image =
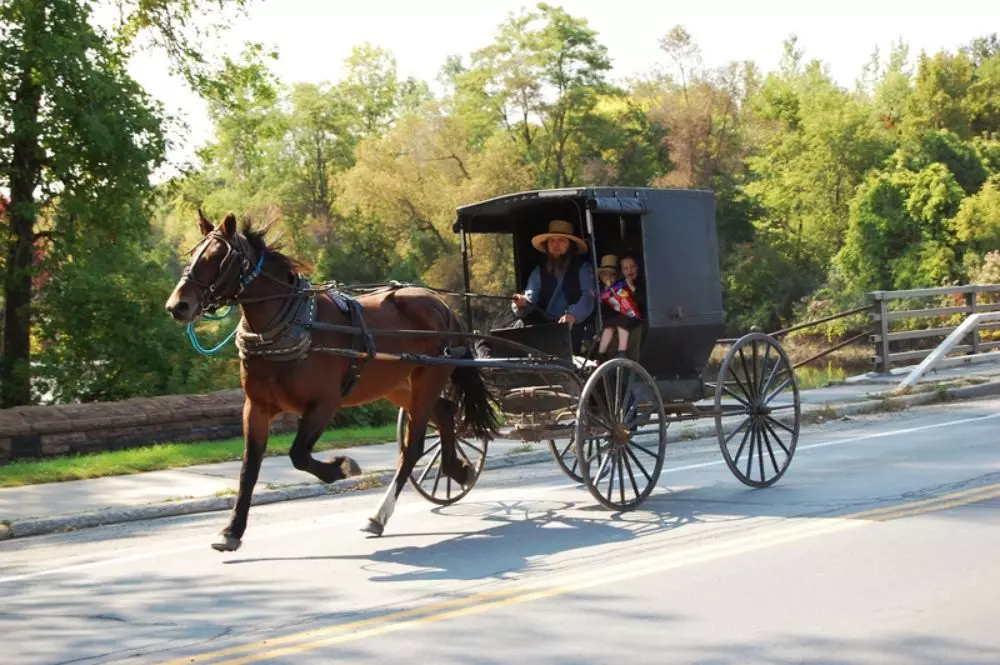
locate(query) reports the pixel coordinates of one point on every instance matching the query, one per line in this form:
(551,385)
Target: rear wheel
(619,398)
(564,453)
(427,476)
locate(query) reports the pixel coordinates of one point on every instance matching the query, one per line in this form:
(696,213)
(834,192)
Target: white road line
(356,518)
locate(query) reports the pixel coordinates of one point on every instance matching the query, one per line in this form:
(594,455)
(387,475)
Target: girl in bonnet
(618,308)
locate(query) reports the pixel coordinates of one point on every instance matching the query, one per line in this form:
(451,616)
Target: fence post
(879,313)
(971,301)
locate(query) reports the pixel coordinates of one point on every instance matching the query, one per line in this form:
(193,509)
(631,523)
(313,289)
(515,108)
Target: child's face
(608,276)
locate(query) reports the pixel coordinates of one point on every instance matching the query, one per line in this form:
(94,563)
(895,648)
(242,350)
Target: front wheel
(757,383)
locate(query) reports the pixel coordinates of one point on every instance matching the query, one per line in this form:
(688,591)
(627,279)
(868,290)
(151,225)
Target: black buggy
(606,424)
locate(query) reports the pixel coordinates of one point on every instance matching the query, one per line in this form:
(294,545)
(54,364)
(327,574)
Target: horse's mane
(256,236)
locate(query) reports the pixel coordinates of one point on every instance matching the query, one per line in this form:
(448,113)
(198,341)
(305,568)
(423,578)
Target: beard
(557,264)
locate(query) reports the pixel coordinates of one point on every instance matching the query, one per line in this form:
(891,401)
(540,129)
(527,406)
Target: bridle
(236,271)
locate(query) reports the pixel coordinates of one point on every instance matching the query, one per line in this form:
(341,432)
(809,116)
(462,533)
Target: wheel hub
(620,434)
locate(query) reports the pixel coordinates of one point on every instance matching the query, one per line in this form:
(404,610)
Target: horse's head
(221,266)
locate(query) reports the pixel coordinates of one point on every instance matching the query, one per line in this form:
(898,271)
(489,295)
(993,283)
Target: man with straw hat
(563,288)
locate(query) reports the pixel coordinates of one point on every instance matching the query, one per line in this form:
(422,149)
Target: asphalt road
(879,545)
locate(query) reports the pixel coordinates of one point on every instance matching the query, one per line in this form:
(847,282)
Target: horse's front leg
(256,427)
(311,426)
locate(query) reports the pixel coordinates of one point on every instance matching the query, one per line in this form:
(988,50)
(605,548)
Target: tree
(78,139)
(539,81)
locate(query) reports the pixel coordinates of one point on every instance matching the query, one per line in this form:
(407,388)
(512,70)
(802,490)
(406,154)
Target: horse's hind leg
(311,425)
(454,466)
(426,384)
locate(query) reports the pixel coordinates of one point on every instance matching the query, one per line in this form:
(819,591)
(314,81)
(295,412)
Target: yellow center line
(530,591)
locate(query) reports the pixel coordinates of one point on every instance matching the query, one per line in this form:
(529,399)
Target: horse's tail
(469,390)
(477,403)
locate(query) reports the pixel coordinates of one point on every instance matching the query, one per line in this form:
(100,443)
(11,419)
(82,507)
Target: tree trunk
(24,172)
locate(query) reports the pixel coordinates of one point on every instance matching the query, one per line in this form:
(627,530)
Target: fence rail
(974,295)
(878,333)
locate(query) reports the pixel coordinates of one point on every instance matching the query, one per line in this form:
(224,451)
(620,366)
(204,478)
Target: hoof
(227,544)
(350,468)
(373,528)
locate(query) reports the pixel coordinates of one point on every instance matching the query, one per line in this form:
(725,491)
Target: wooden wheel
(564,453)
(618,397)
(427,476)
(755,372)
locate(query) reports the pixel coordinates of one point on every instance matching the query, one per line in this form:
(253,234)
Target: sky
(313,37)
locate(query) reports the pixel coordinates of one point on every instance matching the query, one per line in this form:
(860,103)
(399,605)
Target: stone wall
(44,431)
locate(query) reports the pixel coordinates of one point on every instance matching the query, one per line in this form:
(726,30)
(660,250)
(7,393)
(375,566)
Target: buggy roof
(502,214)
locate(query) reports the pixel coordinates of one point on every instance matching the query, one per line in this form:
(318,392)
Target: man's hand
(520,300)
(567,319)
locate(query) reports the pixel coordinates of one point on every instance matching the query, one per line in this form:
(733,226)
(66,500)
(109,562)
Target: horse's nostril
(181,307)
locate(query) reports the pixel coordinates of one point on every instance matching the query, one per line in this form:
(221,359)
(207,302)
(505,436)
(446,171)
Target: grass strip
(158,457)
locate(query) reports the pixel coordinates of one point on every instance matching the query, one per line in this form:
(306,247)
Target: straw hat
(559,228)
(608,262)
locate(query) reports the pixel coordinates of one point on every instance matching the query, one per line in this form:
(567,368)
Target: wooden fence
(953,305)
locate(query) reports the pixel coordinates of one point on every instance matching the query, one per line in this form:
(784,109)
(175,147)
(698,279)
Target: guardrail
(974,298)
(944,348)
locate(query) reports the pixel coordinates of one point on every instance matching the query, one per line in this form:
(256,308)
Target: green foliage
(822,192)
(78,141)
(103,334)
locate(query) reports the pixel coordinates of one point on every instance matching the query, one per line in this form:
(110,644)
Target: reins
(236,270)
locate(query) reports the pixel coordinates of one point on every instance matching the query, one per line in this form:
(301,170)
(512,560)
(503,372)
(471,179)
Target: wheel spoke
(611,479)
(770,450)
(760,449)
(437,480)
(781,425)
(429,467)
(621,479)
(740,384)
(629,453)
(643,449)
(461,451)
(566,449)
(778,390)
(756,375)
(746,374)
(778,364)
(737,431)
(479,450)
(776,437)
(631,476)
(763,369)
(753,440)
(739,451)
(737,397)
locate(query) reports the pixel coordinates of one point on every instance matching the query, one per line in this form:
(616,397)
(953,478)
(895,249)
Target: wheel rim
(427,477)
(755,372)
(629,468)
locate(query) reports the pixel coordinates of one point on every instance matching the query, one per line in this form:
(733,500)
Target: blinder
(235,272)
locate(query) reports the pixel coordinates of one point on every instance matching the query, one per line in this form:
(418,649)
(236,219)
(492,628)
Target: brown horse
(283,371)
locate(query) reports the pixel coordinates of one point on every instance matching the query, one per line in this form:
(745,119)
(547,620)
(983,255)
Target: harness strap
(355,365)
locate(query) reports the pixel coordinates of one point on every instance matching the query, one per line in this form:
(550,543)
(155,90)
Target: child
(618,308)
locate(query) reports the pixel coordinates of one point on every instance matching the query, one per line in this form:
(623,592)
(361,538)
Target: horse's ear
(205,225)
(229,225)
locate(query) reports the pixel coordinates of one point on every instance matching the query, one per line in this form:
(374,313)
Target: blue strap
(211,317)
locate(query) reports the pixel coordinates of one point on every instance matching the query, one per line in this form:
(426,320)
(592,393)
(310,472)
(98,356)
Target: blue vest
(570,284)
